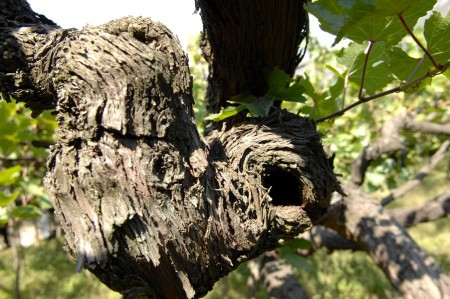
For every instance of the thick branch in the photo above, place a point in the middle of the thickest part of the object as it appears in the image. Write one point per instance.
(277, 277)
(418, 179)
(431, 210)
(410, 269)
(389, 142)
(24, 44)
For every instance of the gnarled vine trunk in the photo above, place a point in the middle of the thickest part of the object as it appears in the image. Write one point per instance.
(147, 205)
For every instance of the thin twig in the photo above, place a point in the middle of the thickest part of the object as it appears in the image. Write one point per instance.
(361, 101)
(436, 65)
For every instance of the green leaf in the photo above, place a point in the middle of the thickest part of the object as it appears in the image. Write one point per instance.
(44, 203)
(377, 75)
(401, 64)
(298, 243)
(331, 14)
(3, 215)
(368, 16)
(337, 89)
(6, 200)
(34, 188)
(437, 35)
(10, 175)
(259, 107)
(283, 88)
(288, 252)
(393, 8)
(225, 113)
(323, 107)
(27, 212)
(296, 260)
(368, 20)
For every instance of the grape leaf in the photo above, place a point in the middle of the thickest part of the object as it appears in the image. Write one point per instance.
(225, 113)
(392, 8)
(323, 107)
(10, 175)
(337, 88)
(377, 75)
(5, 200)
(368, 20)
(3, 215)
(283, 88)
(401, 64)
(26, 212)
(257, 107)
(417, 86)
(437, 32)
(260, 107)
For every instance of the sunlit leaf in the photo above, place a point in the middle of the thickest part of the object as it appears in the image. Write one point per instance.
(3, 215)
(299, 243)
(33, 188)
(323, 107)
(10, 175)
(437, 33)
(44, 203)
(225, 113)
(6, 200)
(417, 86)
(401, 64)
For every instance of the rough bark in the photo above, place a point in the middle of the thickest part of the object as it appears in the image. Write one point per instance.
(437, 208)
(146, 205)
(277, 277)
(432, 210)
(408, 267)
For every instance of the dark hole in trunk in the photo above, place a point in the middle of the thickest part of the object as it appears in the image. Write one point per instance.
(285, 187)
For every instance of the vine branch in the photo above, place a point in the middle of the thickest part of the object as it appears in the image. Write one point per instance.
(401, 87)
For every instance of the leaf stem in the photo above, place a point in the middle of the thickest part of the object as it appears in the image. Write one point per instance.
(435, 64)
(363, 77)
